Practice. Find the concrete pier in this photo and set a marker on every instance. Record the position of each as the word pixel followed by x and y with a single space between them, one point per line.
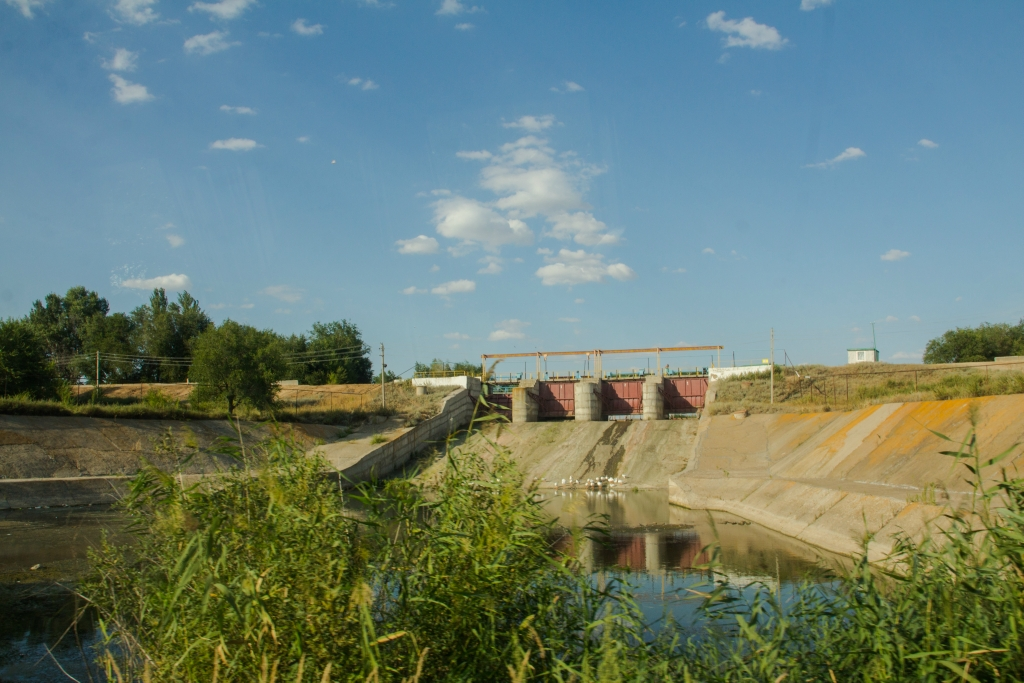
pixel 525 407
pixel 587 399
pixel 654 398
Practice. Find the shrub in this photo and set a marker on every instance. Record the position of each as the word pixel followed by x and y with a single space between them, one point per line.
pixel 237 364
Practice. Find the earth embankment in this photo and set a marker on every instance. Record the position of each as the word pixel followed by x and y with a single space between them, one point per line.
pixel 831 479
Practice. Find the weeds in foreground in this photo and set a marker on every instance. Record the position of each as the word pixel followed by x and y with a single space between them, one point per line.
pixel 270 577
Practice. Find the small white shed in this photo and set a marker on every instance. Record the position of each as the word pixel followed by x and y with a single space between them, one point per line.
pixel 861 356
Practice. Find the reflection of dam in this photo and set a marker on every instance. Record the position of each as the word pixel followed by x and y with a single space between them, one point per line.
pixel 676 550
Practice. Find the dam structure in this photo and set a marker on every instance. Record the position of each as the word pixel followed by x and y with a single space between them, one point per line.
pixel 594 395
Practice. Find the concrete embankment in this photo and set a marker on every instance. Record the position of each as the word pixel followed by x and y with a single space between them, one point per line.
pixel 832 478
pixel 645 453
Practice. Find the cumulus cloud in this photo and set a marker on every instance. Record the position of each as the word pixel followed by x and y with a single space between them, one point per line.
pixel 235 144
pixel 481 155
pixel 809 5
pixel 916 318
pixel 845 155
pixel 363 84
pixel 533 124
pixel 126 92
pixel 135 11
pixel 421 244
pixel 454 7
pixel 173 282
pixel 579 267
pixel 208 43
pixel 456 335
pixel 413 290
pixel 463 27
pixel 894 255
pixel 249 111
pixel 225 9
pixel 474 224
pixel 285 293
pixel 746 33
pixel 175 240
pixel 582 228
pixel 509 329
pixel 579 301
pixel 123 60
pixel 891 319
pixel 26 6
pixel 454 287
pixel 302 138
pixel 708 250
pixel 303 29
pixel 492 265
pixel 925 142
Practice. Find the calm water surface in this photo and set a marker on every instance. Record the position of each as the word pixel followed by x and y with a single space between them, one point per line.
pixel 652 545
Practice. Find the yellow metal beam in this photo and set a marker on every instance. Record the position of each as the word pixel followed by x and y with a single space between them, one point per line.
pixel 600 352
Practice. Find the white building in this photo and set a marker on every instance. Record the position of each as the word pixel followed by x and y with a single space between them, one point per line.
pixel 861 356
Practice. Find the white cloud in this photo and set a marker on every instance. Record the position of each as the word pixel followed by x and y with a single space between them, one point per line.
pixel 746 32
pixel 285 293
pixel 454 287
pixel 173 282
pixel 579 301
pixel 808 5
pixel 209 43
pixel 476 224
pixel 492 265
pixel 421 244
pixel 845 155
pixel 582 228
pixel 572 86
pixel 434 268
pixel 248 306
pixel 569 320
pixel 481 155
pixel 363 84
pixel 235 144
pixel 225 9
pixel 453 7
pixel 891 319
pixel 249 111
pixel 175 240
pixel 303 139
pixel 456 335
pixel 509 329
pixel 708 250
pixel 755 93
pixel 26 6
pixel 123 60
pixel 533 124
pixel 894 255
pixel 303 29
pixel 413 290
pixel 463 27
pixel 915 318
pixel 135 11
pixel 579 267
pixel 925 142
pixel 126 92
pixel 959 298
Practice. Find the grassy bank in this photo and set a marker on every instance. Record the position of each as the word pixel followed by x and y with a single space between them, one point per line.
pixel 814 388
pixel 271 578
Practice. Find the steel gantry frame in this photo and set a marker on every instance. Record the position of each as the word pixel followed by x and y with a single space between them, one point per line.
pixel 596 353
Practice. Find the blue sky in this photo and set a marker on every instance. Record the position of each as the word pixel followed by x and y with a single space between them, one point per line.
pixel 466 177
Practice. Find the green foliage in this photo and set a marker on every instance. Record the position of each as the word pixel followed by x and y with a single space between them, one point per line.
pixel 333 353
pixel 237 364
pixel 438 366
pixel 165 329
pixel 982 343
pixel 61 322
pixel 110 334
pixel 24 367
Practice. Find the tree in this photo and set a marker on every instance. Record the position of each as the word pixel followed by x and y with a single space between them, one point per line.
pixel 971 344
pixel 333 353
pixel 24 366
pixel 439 366
pixel 61 322
pixel 167 330
pixel 112 337
pixel 238 364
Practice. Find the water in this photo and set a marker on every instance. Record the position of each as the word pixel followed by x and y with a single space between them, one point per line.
pixel 652 545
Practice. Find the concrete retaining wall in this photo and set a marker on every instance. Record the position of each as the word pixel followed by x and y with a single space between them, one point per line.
pixel 831 478
pixel 456 412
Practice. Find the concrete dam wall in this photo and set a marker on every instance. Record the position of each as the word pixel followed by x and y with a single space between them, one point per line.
pixel 831 478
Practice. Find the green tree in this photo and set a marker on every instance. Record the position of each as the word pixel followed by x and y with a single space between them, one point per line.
pixel 972 344
pixel 61 321
pixel 112 336
pixel 438 366
pixel 24 365
pixel 167 330
pixel 333 353
pixel 238 364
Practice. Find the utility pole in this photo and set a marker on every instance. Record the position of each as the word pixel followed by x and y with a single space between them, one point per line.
pixel 383 367
pixel 97 371
pixel 874 343
pixel 773 368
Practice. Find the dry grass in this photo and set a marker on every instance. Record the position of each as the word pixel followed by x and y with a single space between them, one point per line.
pixel 818 388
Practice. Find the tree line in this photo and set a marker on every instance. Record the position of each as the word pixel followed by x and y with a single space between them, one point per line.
pixel 56 344
pixel 986 342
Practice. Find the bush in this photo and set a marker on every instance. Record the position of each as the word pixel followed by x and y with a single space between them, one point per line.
pixel 237 364
pixel 24 367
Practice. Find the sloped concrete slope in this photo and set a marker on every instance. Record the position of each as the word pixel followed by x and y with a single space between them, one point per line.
pixel 645 453
pixel 46 461
pixel 831 478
